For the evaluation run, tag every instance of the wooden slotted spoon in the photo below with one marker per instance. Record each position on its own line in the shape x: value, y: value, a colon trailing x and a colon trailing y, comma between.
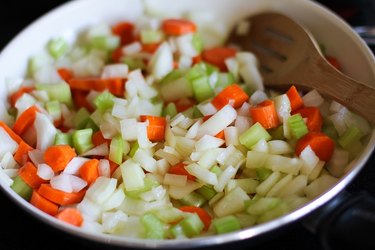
x: 288, y: 55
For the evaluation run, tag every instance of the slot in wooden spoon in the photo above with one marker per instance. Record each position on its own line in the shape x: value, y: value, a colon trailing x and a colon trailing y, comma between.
x: 288, y: 55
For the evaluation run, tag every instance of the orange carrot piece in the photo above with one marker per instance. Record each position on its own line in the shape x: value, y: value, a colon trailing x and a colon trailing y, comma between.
x: 28, y: 174
x: 218, y: 55
x: 232, y: 94
x: 112, y: 166
x: 115, y: 85
x: 125, y: 30
x: 150, y: 47
x: 25, y: 120
x: 70, y: 215
x: 220, y: 135
x: 65, y: 73
x: 60, y: 197
x: 184, y: 104
x: 295, y: 99
x: 314, y: 120
x: 80, y: 100
x: 203, y: 215
x: 98, y: 138
x: 11, y: 133
x: 117, y: 54
x: 89, y: 171
x: 176, y: 27
x: 43, y: 204
x: 155, y: 128
x: 197, y: 59
x: 16, y: 95
x: 265, y: 113
x: 58, y: 156
x: 320, y: 143
x: 179, y: 169
x: 21, y: 156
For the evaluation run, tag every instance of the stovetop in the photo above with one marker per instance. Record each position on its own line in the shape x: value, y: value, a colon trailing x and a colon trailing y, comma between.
x: 24, y: 232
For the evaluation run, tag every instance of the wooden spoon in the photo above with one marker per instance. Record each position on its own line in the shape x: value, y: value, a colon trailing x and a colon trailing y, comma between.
x: 288, y: 55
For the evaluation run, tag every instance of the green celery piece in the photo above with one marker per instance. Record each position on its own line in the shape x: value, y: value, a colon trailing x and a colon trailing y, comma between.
x: 104, y: 101
x: 224, y: 80
x: 277, y: 133
x: 151, y: 36
x: 349, y: 137
x: 297, y: 126
x: 81, y: 118
x: 36, y: 62
x: 21, y: 188
x: 133, y: 149
x: 172, y: 76
x: 197, y: 42
x: 63, y: 139
x: 192, y: 225
x: 194, y: 199
x: 57, y: 47
x: 149, y: 184
x: 154, y: 228
x: 251, y: 136
x: 206, y: 191
x: 134, y: 63
x: 170, y: 110
x: 263, y: 173
x: 177, y: 231
x: 116, y: 149
x: 262, y: 205
x: 53, y: 108
x: 59, y: 92
x: 196, y: 112
x: 281, y: 209
x: 91, y: 124
x: 226, y: 224
x: 202, y: 89
x: 169, y: 214
x: 107, y: 43
x: 216, y: 170
x: 82, y: 140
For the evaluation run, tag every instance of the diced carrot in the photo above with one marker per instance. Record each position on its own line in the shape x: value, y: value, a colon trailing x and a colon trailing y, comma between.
x: 125, y: 30
x: 197, y: 59
x: 115, y: 85
x: 179, y: 169
x: 28, y: 173
x: 177, y: 27
x: 16, y: 95
x: 218, y: 55
x: 89, y: 171
x: 232, y: 94
x: 150, y: 47
x: 321, y: 144
x: 21, y: 156
x: 184, y: 104
x: 60, y: 197
x: 334, y: 62
x: 11, y: 133
x: 295, y: 99
x: 155, y: 128
x: 220, y: 135
x: 70, y: 215
x: 314, y: 120
x: 80, y: 99
x: 203, y: 214
x: 58, y: 156
x: 117, y: 54
x: 265, y: 113
x: 98, y: 138
x: 43, y: 204
x: 65, y: 73
x: 112, y: 166
x: 25, y: 120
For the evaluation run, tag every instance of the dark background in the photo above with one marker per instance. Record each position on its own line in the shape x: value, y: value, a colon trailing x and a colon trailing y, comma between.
x: 21, y: 231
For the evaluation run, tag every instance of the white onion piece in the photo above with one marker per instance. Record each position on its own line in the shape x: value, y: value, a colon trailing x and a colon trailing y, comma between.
x: 310, y: 160
x: 101, y: 189
x: 203, y: 174
x: 175, y: 180
x: 279, y: 147
x: 45, y: 131
x: 132, y: 48
x: 7, y: 143
x: 216, y: 123
x: 207, y: 108
x: 242, y: 123
x: 77, y: 183
x: 244, y: 109
x: 36, y: 156
x: 100, y: 150
x: 312, y: 98
x: 90, y: 210
x: 147, y: 162
x: 129, y: 129
x: 176, y: 192
x: 62, y: 182
x: 155, y: 194
x: 257, y: 97
x: 104, y: 168
x: 224, y: 178
x: 115, y: 70
x: 113, y: 221
x: 231, y: 135
x: 74, y: 165
x: 162, y: 166
x: 193, y: 130
x: 208, y: 142
x: 115, y: 200
x: 45, y: 172
x: 320, y: 185
x: 8, y: 162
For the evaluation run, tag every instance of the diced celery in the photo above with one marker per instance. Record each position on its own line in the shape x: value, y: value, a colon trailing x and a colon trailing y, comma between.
x: 197, y: 71
x: 151, y: 36
x: 192, y: 225
x: 224, y: 80
x: 148, y: 185
x: 36, y: 62
x: 352, y: 135
x: 197, y: 42
x: 262, y: 205
x: 104, y: 101
x: 21, y: 188
x: 63, y: 139
x: 194, y: 199
x: 133, y: 149
x: 177, y: 231
x: 53, y: 108
x: 154, y: 228
x: 170, y: 110
x: 91, y: 124
x: 297, y: 126
x: 116, y: 149
x: 81, y: 118
x: 226, y: 224
x: 169, y: 215
x: 202, y: 89
x: 196, y: 112
x: 82, y: 140
x: 172, y: 76
x: 206, y: 191
x: 281, y: 209
x: 134, y: 63
x: 251, y: 136
x: 107, y: 43
x: 57, y: 47
x: 263, y: 173
x: 59, y: 92
x: 216, y: 170
x: 277, y: 133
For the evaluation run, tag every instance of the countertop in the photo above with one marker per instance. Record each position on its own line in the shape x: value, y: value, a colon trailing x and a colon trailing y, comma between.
x: 21, y: 231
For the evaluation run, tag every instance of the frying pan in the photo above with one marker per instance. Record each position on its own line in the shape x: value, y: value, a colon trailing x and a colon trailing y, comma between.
x: 334, y: 206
